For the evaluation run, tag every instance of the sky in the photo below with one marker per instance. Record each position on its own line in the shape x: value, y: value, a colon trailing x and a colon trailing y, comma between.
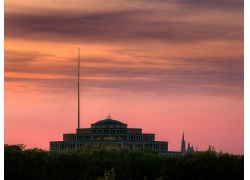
x: 166, y: 66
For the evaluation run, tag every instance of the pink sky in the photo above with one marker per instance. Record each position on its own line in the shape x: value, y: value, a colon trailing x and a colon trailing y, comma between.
x: 163, y: 66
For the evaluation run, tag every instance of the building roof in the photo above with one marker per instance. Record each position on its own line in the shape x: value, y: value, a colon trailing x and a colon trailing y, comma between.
x: 108, y: 122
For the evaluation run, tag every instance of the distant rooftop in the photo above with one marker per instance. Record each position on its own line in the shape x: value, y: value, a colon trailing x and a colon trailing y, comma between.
x: 108, y: 122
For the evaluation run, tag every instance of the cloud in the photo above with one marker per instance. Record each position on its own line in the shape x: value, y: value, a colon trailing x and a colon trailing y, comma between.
x: 214, y: 4
x: 224, y: 76
x: 33, y: 62
x: 131, y: 24
x: 160, y: 46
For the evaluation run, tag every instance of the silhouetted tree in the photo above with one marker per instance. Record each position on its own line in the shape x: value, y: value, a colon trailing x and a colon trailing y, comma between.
x: 89, y: 162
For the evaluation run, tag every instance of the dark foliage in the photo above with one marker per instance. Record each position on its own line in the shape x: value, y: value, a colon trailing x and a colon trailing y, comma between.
x: 90, y: 162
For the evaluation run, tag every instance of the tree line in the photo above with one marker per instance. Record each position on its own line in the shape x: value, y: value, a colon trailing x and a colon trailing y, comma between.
x: 99, y: 163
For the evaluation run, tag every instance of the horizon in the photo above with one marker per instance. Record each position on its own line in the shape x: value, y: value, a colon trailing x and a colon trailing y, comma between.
x: 165, y: 67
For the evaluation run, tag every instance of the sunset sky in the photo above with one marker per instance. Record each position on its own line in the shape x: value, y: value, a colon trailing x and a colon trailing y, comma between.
x: 166, y: 66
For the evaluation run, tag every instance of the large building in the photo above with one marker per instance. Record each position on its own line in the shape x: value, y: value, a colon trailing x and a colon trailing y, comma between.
x: 115, y: 134
x: 112, y: 134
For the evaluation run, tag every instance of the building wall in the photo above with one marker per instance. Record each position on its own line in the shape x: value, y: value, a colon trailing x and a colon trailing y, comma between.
x: 62, y: 145
x: 112, y: 134
x: 135, y: 137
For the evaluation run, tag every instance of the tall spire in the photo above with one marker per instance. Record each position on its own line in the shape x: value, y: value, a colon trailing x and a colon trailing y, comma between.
x: 183, y: 145
x: 78, y: 88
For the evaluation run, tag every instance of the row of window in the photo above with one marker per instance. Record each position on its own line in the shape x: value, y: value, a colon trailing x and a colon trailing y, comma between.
x: 109, y: 126
x: 69, y: 137
x: 156, y: 146
x: 129, y: 131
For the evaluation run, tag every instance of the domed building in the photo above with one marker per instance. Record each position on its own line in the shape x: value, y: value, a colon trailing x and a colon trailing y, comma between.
x: 111, y: 133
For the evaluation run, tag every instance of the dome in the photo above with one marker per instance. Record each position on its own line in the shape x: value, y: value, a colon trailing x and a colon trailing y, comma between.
x: 108, y: 122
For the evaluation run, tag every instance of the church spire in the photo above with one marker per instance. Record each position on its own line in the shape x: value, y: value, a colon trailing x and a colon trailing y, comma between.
x: 183, y: 145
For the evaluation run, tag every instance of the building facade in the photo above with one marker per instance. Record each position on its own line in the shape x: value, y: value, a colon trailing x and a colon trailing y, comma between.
x: 112, y: 134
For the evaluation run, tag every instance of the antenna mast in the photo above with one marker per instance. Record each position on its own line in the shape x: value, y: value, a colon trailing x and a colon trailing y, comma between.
x: 78, y: 88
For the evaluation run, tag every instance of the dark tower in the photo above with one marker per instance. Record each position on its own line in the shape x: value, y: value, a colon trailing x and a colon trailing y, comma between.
x: 183, y: 145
